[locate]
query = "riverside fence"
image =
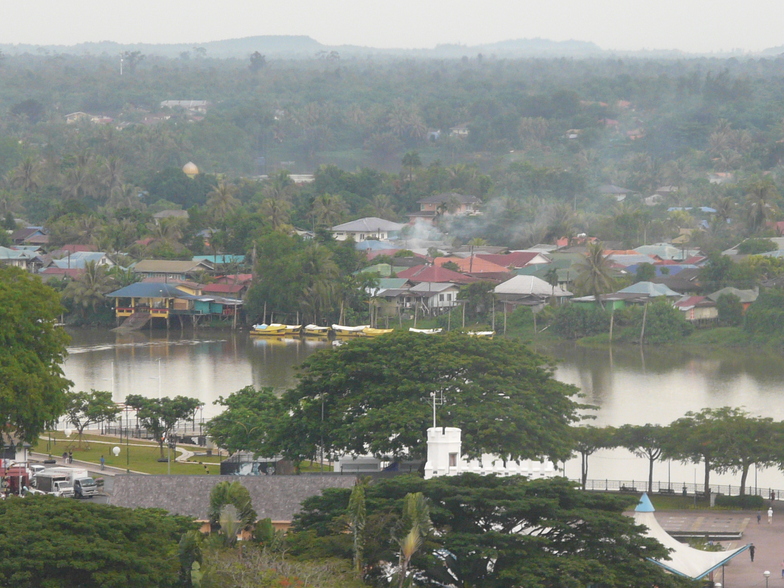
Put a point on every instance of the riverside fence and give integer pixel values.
(681, 488)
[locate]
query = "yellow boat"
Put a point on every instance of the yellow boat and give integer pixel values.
(288, 329)
(268, 330)
(316, 331)
(371, 332)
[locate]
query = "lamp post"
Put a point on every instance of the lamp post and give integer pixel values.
(766, 573)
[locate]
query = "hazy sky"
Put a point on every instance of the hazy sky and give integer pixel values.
(689, 25)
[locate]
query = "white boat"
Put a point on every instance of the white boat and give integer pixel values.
(425, 331)
(344, 331)
(485, 334)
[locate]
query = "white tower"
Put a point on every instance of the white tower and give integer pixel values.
(443, 451)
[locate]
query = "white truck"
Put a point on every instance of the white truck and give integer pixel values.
(83, 484)
(80, 482)
(56, 483)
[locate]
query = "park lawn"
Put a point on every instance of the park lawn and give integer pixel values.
(143, 455)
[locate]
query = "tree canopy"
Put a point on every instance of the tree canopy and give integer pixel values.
(32, 349)
(493, 532)
(51, 542)
(375, 396)
(86, 408)
(161, 415)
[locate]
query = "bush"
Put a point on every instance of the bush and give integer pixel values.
(766, 315)
(740, 502)
(663, 324)
(573, 321)
(730, 310)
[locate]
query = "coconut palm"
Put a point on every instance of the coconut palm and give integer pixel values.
(276, 212)
(221, 201)
(594, 274)
(89, 290)
(328, 209)
(382, 207)
(760, 205)
(27, 175)
(109, 176)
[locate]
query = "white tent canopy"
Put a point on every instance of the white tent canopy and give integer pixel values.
(684, 560)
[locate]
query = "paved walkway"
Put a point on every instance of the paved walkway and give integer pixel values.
(768, 539)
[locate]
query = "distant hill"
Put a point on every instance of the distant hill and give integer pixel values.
(271, 45)
(301, 46)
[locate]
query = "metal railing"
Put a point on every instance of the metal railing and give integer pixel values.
(680, 488)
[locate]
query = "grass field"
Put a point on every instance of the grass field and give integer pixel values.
(139, 455)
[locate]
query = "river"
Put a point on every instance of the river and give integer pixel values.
(626, 384)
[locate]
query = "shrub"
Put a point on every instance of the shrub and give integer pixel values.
(741, 502)
(573, 321)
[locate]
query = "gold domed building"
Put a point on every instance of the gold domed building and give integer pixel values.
(190, 169)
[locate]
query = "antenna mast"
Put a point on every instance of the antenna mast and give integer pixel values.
(438, 400)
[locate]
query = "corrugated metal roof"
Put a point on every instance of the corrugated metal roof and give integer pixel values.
(275, 497)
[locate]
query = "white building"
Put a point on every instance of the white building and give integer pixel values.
(445, 458)
(366, 228)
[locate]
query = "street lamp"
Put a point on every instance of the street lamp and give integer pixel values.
(766, 573)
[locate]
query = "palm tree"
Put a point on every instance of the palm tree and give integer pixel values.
(759, 204)
(276, 212)
(411, 531)
(27, 175)
(328, 209)
(89, 289)
(109, 176)
(382, 207)
(221, 201)
(594, 272)
(551, 277)
(321, 279)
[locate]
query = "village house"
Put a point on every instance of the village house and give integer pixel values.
(447, 203)
(171, 270)
(367, 228)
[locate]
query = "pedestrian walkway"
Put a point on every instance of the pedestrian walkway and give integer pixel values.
(768, 540)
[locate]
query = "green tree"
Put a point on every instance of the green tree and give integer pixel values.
(478, 298)
(32, 349)
(161, 415)
(745, 441)
(374, 396)
(645, 441)
(89, 545)
(715, 273)
(645, 273)
(587, 441)
(702, 437)
(730, 310)
(250, 421)
(766, 316)
(90, 408)
(497, 532)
